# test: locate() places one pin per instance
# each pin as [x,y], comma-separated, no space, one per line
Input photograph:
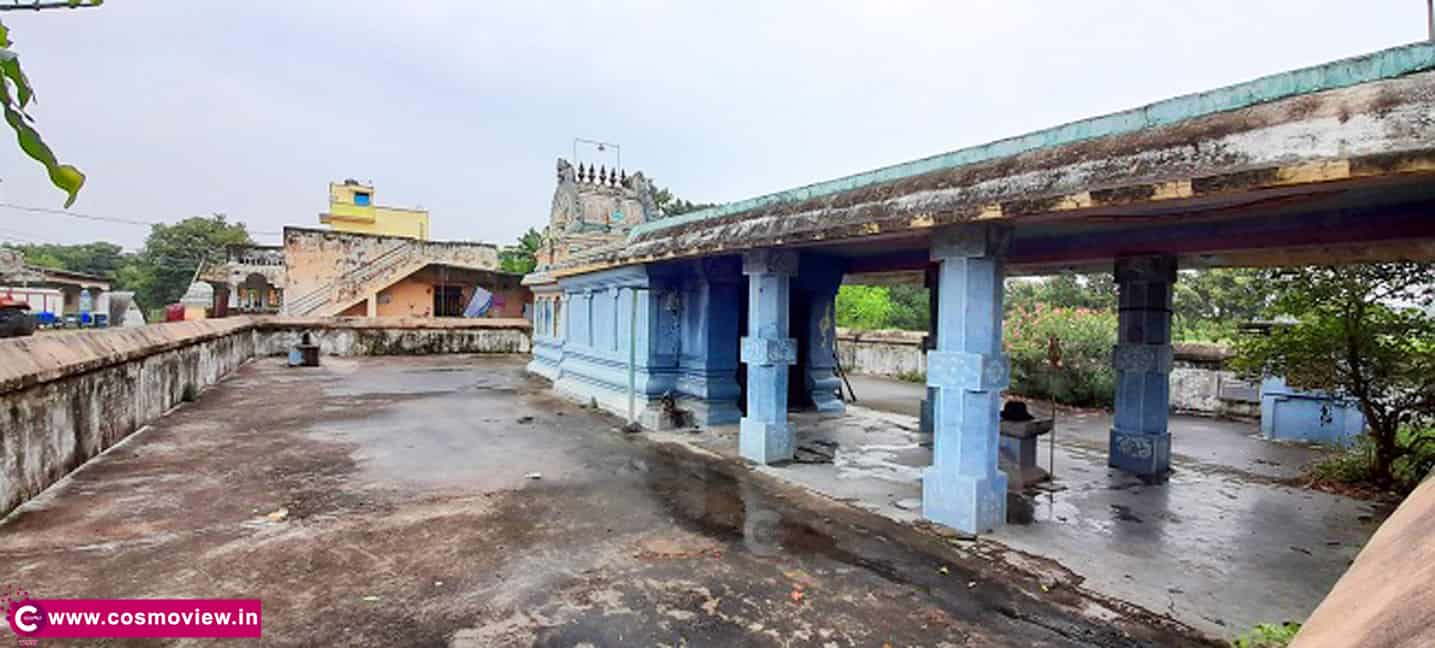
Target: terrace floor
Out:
[1231,541]
[451,500]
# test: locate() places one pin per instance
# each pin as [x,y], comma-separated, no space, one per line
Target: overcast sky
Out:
[177,108]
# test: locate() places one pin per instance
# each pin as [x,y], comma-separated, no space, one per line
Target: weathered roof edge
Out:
[1384,64]
[320,230]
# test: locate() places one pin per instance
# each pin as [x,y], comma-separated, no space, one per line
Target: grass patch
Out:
[919,377]
[1354,467]
[1269,635]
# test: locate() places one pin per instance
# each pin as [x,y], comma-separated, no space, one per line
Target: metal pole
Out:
[1430,17]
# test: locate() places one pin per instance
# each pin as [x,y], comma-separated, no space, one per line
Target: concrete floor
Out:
[387,502]
[1226,544]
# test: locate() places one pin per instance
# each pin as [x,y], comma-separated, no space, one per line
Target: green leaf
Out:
[69,179]
[11,68]
[66,177]
[4,35]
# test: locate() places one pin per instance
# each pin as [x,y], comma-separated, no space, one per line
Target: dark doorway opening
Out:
[448,301]
[798,396]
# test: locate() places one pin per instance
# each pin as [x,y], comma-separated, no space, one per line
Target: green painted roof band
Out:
[1385,64]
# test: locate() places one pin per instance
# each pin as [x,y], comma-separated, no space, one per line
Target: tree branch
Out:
[53,4]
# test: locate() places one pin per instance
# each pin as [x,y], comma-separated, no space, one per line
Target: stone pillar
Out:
[963,488]
[819,278]
[929,343]
[708,359]
[1140,442]
[765,436]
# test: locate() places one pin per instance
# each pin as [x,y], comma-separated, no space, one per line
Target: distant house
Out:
[372,262]
[59,292]
[352,209]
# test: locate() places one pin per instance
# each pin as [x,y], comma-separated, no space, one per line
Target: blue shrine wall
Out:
[628,337]
[1289,414]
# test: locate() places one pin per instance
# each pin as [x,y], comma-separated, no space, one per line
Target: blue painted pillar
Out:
[764,434]
[963,488]
[819,278]
[1140,441]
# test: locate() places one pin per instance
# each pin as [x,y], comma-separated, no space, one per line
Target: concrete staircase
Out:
[357,284]
[365,281]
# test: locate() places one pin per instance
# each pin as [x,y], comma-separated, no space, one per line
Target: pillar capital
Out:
[1156,268]
[769,261]
[971,240]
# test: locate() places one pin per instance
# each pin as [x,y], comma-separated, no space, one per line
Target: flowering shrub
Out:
[1085,336]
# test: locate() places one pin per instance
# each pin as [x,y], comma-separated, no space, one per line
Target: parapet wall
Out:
[881,353]
[65,397]
[359,336]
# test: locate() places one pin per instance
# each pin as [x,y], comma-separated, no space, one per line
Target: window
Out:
[361,198]
[448,301]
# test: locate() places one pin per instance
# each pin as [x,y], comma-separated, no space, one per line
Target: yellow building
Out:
[352,209]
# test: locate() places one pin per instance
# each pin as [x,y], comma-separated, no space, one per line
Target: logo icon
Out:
[23,613]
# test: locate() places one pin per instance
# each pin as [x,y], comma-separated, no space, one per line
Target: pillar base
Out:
[823,386]
[967,504]
[1147,456]
[763,442]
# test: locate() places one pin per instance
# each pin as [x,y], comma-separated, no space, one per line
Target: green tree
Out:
[910,308]
[1066,290]
[98,258]
[1361,332]
[162,271]
[521,258]
[863,307]
[16,95]
[1208,305]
